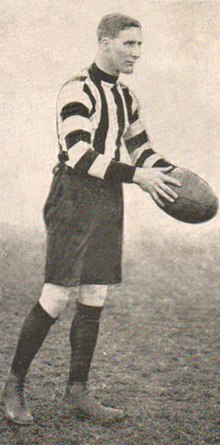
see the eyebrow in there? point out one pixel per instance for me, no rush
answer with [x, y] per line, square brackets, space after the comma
[133, 41]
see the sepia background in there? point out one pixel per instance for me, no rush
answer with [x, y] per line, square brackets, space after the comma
[158, 349]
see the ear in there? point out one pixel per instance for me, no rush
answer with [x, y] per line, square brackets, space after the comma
[105, 44]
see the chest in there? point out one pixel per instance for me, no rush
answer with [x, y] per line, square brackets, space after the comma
[111, 109]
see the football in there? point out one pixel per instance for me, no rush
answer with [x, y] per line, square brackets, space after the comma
[196, 202]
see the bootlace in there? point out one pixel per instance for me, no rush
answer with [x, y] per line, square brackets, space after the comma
[20, 392]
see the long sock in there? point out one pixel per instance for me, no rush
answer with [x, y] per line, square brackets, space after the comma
[34, 330]
[83, 338]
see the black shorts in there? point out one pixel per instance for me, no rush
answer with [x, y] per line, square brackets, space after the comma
[84, 222]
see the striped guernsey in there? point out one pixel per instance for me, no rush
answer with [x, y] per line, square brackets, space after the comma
[96, 116]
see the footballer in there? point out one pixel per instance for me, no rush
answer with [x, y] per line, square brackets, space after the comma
[97, 118]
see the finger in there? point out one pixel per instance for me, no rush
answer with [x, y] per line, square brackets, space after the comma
[164, 169]
[168, 190]
[156, 198]
[164, 194]
[172, 180]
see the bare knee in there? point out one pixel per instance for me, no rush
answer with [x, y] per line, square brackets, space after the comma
[54, 298]
[93, 294]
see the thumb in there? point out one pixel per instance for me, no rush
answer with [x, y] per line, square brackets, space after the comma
[166, 169]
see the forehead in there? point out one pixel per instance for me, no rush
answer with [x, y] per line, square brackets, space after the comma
[130, 34]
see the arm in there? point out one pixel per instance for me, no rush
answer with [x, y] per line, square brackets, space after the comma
[151, 168]
[137, 140]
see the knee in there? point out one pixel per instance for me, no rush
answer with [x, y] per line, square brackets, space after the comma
[54, 298]
[93, 295]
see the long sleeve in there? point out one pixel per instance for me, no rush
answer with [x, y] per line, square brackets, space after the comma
[136, 138]
[76, 123]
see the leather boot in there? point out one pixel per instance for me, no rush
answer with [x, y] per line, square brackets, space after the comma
[80, 403]
[14, 401]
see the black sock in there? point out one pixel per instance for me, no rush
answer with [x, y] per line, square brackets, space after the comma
[83, 338]
[33, 333]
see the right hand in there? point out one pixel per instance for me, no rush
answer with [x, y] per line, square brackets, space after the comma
[154, 181]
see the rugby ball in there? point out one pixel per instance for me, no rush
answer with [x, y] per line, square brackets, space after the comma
[196, 202]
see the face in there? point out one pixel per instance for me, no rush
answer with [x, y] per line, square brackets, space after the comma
[123, 51]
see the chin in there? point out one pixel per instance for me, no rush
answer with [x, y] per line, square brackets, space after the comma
[128, 70]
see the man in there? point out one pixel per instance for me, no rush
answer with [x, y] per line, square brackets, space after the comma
[96, 117]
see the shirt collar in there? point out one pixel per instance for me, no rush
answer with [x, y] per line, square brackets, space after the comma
[102, 75]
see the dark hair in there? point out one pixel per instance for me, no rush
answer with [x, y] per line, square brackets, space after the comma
[112, 24]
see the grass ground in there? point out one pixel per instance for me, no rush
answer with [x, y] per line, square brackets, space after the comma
[157, 355]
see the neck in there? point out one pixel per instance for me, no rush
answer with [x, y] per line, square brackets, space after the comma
[100, 75]
[105, 66]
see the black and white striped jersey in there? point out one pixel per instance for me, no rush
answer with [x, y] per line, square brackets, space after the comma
[97, 117]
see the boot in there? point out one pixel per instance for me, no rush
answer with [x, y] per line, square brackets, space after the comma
[80, 403]
[14, 401]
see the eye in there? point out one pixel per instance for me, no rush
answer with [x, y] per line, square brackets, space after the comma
[131, 43]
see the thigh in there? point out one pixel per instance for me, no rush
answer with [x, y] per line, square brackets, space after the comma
[70, 215]
[93, 295]
[102, 259]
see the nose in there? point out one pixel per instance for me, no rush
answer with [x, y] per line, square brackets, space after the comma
[136, 51]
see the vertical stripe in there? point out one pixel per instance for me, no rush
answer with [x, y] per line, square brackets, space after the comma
[87, 90]
[127, 125]
[128, 100]
[95, 118]
[110, 142]
[102, 130]
[121, 120]
[132, 114]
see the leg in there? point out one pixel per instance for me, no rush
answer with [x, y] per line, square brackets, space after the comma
[35, 329]
[84, 331]
[93, 295]
[83, 338]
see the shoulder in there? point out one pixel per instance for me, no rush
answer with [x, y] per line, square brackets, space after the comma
[76, 81]
[80, 77]
[73, 88]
